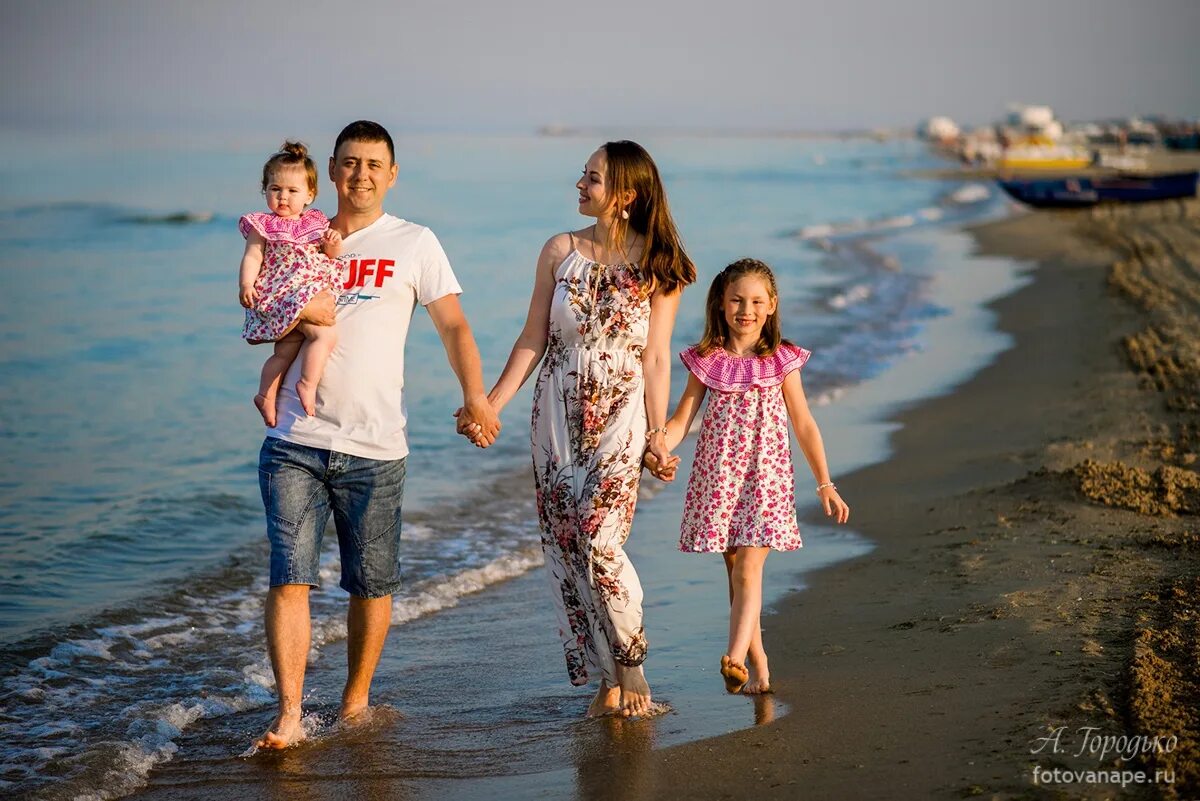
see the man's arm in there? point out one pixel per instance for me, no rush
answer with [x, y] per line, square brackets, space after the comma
[463, 354]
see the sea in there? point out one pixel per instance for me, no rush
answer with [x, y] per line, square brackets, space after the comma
[132, 549]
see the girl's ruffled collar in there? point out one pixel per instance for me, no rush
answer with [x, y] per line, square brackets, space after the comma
[723, 371]
[303, 230]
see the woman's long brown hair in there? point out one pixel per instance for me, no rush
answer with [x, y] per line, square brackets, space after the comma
[663, 257]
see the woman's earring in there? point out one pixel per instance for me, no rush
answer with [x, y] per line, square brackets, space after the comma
[624, 214]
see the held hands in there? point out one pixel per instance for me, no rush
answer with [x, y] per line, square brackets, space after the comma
[833, 504]
[478, 422]
[331, 243]
[659, 461]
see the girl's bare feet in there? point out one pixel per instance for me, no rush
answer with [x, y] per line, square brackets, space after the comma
[266, 407]
[734, 674]
[760, 675]
[286, 731]
[606, 702]
[308, 396]
[635, 692]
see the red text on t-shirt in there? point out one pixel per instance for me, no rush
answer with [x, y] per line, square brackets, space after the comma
[361, 269]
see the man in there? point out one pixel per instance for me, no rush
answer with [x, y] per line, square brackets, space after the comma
[349, 458]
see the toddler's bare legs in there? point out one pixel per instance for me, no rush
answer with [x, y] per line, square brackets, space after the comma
[273, 371]
[744, 568]
[321, 340]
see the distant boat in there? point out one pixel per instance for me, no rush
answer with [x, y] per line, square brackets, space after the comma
[1183, 141]
[1079, 192]
[1044, 157]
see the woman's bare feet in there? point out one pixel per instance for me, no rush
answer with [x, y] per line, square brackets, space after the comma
[285, 732]
[266, 407]
[607, 701]
[734, 674]
[760, 675]
[308, 396]
[635, 692]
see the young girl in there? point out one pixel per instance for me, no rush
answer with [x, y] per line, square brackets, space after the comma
[287, 263]
[740, 497]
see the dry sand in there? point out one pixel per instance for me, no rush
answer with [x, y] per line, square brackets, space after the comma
[1038, 559]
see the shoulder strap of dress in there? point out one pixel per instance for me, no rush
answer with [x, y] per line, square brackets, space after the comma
[571, 234]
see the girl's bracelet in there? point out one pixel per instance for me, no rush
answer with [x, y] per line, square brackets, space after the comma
[653, 431]
[826, 485]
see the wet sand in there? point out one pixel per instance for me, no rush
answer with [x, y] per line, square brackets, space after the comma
[1038, 559]
[1036, 570]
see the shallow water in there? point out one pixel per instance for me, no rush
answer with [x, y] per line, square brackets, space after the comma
[130, 528]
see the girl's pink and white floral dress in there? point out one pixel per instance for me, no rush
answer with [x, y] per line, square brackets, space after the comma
[741, 490]
[294, 271]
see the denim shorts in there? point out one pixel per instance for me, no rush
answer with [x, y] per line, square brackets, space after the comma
[301, 486]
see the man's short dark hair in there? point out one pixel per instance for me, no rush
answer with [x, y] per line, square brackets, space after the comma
[365, 131]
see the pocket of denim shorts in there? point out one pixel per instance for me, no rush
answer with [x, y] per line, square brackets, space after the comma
[271, 502]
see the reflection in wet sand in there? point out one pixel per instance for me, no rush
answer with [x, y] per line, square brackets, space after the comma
[764, 709]
[612, 762]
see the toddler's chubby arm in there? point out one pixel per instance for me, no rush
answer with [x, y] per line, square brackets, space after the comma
[331, 243]
[678, 425]
[252, 259]
[809, 437]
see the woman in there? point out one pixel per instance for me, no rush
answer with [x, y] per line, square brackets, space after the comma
[603, 305]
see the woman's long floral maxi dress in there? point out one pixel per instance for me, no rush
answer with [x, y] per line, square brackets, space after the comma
[588, 435]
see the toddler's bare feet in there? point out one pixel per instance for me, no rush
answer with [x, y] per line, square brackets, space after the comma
[266, 407]
[606, 702]
[284, 732]
[635, 692]
[734, 674]
[308, 396]
[760, 676]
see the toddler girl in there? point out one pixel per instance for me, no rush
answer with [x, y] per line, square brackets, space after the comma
[740, 498]
[289, 261]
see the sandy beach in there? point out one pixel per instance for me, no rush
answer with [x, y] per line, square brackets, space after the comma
[1036, 582]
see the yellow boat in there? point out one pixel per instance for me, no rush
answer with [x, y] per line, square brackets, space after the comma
[1041, 157]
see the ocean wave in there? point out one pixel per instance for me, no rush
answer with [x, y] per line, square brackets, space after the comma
[948, 206]
[118, 695]
[107, 213]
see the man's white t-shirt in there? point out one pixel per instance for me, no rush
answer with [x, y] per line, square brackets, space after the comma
[386, 269]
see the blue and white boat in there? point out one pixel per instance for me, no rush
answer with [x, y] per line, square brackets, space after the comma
[1075, 192]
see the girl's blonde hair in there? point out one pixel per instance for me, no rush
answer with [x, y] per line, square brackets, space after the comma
[716, 330]
[291, 154]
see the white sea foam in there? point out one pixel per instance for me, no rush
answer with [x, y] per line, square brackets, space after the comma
[827, 397]
[855, 294]
[86, 677]
[445, 593]
[971, 193]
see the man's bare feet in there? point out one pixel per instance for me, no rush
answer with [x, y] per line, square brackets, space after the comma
[285, 732]
[760, 676]
[266, 407]
[635, 692]
[607, 701]
[734, 674]
[308, 396]
[351, 711]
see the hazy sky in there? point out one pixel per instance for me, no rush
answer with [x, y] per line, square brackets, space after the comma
[474, 65]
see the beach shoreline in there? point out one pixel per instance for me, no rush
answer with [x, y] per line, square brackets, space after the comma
[1001, 604]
